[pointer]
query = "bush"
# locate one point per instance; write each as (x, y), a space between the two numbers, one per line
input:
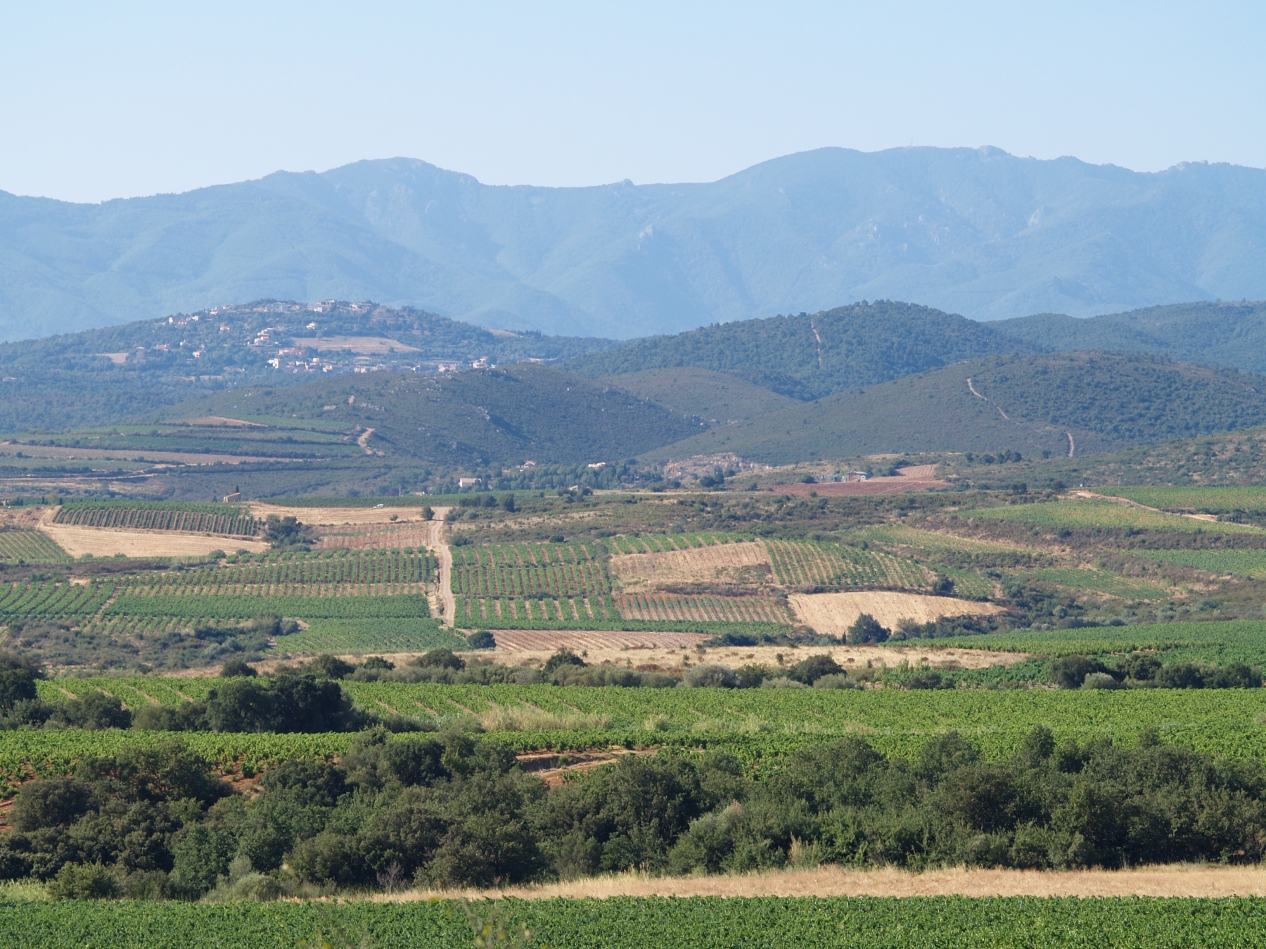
(1068, 672)
(236, 669)
(840, 681)
(481, 640)
(810, 670)
(292, 703)
(710, 676)
(564, 657)
(439, 659)
(866, 629)
(1099, 680)
(84, 881)
(17, 680)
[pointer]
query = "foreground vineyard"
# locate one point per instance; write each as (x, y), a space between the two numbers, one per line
(625, 923)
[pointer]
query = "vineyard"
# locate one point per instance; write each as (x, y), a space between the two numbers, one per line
(597, 612)
(248, 604)
(675, 607)
(522, 570)
(325, 573)
(340, 636)
(1090, 580)
(29, 546)
(662, 923)
(53, 599)
(1215, 642)
(229, 519)
(800, 563)
(663, 543)
(1243, 563)
(1094, 513)
(1210, 500)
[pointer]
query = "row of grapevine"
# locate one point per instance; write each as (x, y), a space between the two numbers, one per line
(839, 566)
(29, 546)
(370, 635)
(234, 522)
(53, 599)
(536, 613)
(664, 923)
(719, 609)
(526, 569)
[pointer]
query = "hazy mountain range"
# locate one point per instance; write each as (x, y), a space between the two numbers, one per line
(973, 231)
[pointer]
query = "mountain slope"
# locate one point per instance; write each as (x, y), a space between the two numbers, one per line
(716, 397)
(489, 417)
(1027, 403)
(106, 376)
(810, 356)
(1216, 334)
(974, 231)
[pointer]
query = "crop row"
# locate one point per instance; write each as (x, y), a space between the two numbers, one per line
(718, 609)
(29, 546)
(370, 635)
(1245, 563)
(839, 566)
(232, 523)
(238, 606)
(53, 599)
(523, 570)
(664, 923)
(661, 543)
(1211, 500)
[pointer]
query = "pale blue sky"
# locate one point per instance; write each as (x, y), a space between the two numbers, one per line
(102, 101)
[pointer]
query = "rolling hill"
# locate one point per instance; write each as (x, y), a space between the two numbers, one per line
(490, 417)
(1034, 404)
(715, 397)
(974, 231)
(1214, 334)
(109, 375)
(809, 356)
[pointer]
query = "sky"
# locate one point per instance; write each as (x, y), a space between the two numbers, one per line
(102, 101)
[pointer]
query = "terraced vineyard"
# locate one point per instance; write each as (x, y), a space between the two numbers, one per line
(662, 923)
(674, 607)
(524, 570)
(228, 519)
(29, 546)
(800, 563)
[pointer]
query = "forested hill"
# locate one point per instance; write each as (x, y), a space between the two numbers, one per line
(1215, 334)
(1027, 403)
(471, 419)
(105, 376)
(809, 356)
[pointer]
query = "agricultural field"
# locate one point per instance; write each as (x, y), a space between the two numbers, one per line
(51, 599)
(833, 613)
(229, 606)
(29, 546)
(524, 570)
(228, 519)
(1090, 580)
(1095, 512)
(687, 608)
(1219, 642)
(800, 564)
(359, 636)
(663, 923)
(1206, 500)
(1243, 563)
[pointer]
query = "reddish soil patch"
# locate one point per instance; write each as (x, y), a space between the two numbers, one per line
(915, 478)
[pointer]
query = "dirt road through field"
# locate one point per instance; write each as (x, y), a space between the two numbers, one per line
(435, 543)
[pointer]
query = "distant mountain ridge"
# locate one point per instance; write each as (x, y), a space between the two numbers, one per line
(973, 231)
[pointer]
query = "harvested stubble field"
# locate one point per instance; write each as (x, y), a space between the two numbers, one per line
(833, 613)
(343, 517)
(104, 542)
(719, 563)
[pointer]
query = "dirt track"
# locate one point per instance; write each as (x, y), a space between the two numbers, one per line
(1169, 880)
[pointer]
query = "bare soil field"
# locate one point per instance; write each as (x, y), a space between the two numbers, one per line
(1174, 880)
(103, 542)
(349, 519)
(20, 517)
(741, 563)
(669, 656)
(832, 613)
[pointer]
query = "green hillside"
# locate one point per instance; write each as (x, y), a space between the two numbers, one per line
(107, 376)
(712, 396)
(1215, 334)
(1027, 403)
(491, 416)
(809, 356)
